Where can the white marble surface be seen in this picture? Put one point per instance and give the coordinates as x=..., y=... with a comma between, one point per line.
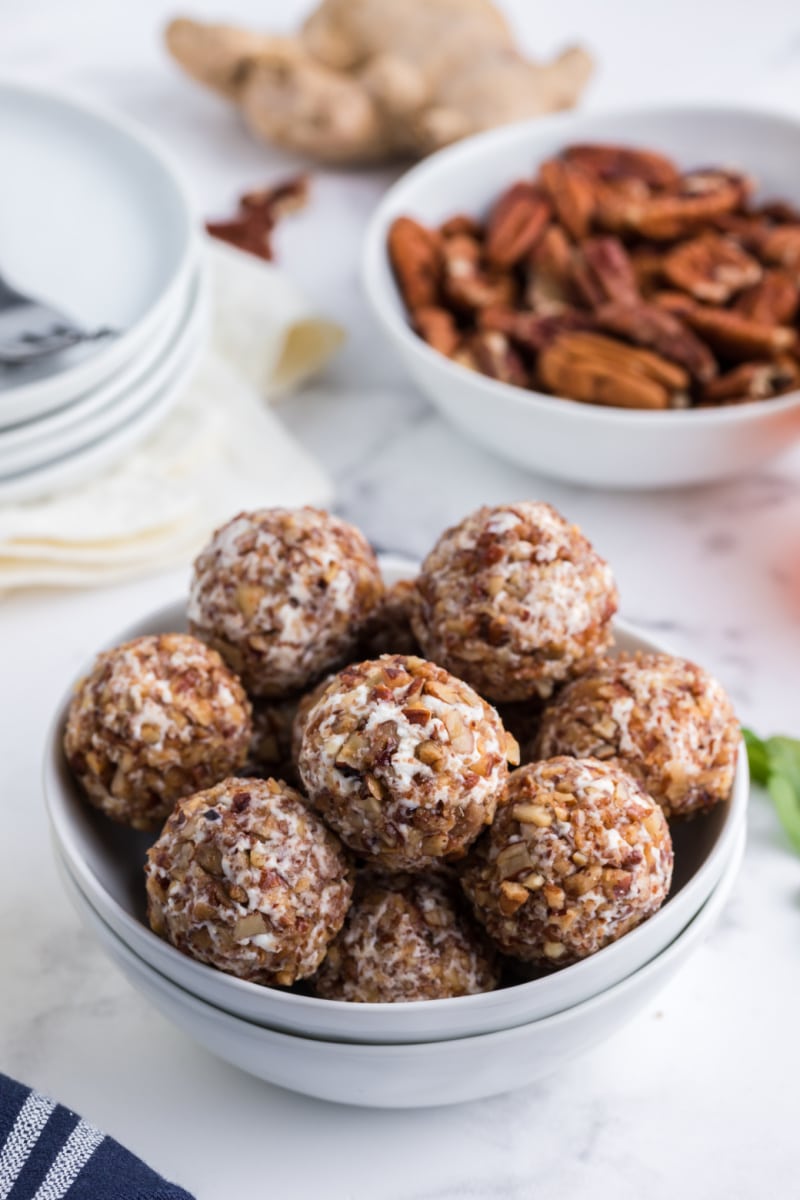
x=698, y=1097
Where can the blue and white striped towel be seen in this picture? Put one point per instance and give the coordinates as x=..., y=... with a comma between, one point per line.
x=48, y=1153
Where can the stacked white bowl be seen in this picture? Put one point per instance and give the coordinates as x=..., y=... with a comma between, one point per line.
x=112, y=243
x=387, y=1055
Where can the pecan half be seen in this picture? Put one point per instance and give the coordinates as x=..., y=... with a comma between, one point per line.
x=737, y=337
x=753, y=381
x=623, y=162
x=494, y=356
x=774, y=300
x=550, y=287
x=661, y=331
x=530, y=331
x=438, y=328
x=701, y=197
x=648, y=268
x=597, y=370
x=461, y=223
x=515, y=224
x=711, y=268
x=603, y=272
x=571, y=193
x=781, y=246
x=467, y=285
x=416, y=257
x=674, y=302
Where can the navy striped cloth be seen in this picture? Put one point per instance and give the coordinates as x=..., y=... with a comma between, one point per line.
x=48, y=1153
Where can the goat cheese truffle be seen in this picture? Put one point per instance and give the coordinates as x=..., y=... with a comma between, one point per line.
x=662, y=719
x=405, y=938
x=514, y=600
x=577, y=856
x=389, y=628
x=283, y=594
x=246, y=878
x=156, y=719
x=404, y=761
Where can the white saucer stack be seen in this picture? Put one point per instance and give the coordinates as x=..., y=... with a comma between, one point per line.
x=94, y=222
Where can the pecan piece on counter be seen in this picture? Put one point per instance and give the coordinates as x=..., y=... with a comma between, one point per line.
x=438, y=328
x=781, y=246
x=753, y=381
x=774, y=300
x=259, y=211
x=623, y=162
x=597, y=370
x=515, y=224
x=416, y=257
x=467, y=284
x=492, y=354
x=572, y=195
x=739, y=338
x=659, y=330
x=550, y=283
x=603, y=272
x=711, y=268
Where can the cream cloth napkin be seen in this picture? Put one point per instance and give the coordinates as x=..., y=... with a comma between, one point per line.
x=219, y=450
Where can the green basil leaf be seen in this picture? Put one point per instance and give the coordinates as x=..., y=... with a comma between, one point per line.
x=757, y=756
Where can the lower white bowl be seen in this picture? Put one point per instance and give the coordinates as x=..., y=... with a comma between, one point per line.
x=107, y=860
x=416, y=1075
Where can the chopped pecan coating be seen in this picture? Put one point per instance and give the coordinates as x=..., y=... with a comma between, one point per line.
x=577, y=856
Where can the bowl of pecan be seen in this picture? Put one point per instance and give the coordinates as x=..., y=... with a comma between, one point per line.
x=588, y=297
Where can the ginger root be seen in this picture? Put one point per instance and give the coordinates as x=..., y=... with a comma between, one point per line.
x=374, y=80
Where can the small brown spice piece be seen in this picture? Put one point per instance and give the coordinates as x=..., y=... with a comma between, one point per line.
x=711, y=268
x=515, y=224
x=259, y=211
x=416, y=258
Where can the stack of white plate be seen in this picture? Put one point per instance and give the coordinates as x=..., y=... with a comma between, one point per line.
x=388, y=1055
x=94, y=222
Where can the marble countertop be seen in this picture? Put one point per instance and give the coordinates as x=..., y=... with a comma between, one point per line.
x=697, y=1096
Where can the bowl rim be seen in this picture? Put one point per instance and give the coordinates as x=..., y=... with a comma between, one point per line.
x=699, y=925
x=60, y=827
x=394, y=321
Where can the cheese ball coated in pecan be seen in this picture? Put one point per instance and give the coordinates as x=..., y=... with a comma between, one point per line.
x=246, y=878
x=388, y=630
x=577, y=856
x=514, y=600
x=284, y=594
x=157, y=718
x=406, y=938
x=662, y=719
x=404, y=761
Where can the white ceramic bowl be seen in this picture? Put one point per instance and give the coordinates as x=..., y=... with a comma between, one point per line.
x=421, y=1075
x=581, y=443
x=106, y=861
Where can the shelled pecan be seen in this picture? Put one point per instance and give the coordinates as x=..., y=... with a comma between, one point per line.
x=614, y=276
